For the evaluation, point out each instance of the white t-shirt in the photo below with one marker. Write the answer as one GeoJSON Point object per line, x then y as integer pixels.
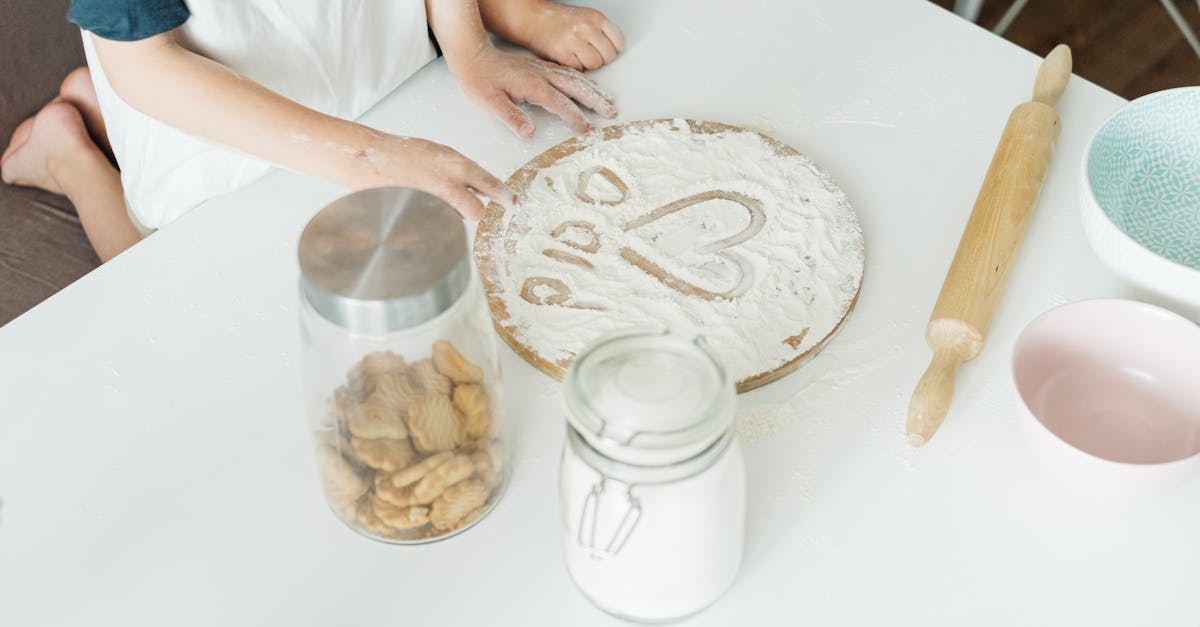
{"type": "Point", "coordinates": [338, 57]}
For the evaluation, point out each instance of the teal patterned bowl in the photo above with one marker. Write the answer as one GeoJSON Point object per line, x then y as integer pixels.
{"type": "Point", "coordinates": [1141, 195]}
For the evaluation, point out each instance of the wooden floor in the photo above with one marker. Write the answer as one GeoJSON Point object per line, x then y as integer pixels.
{"type": "Point", "coordinates": [1131, 47]}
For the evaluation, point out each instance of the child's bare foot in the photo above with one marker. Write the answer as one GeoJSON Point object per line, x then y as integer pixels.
{"type": "Point", "coordinates": [576, 37]}
{"type": "Point", "coordinates": [53, 151]}
{"type": "Point", "coordinates": [42, 143]}
{"type": "Point", "coordinates": [78, 90]}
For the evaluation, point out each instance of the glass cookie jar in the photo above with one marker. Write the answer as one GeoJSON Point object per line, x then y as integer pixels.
{"type": "Point", "coordinates": [652, 482]}
{"type": "Point", "coordinates": [401, 368]}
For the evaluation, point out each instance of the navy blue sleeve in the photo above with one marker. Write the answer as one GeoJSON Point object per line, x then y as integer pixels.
{"type": "Point", "coordinates": [127, 20]}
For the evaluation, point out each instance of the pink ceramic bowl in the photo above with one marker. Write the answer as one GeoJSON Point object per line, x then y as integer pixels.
{"type": "Point", "coordinates": [1110, 393]}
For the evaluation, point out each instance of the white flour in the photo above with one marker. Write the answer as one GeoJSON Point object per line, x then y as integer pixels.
{"type": "Point", "coordinates": [652, 481]}
{"type": "Point", "coordinates": [814, 392]}
{"type": "Point", "coordinates": [763, 285]}
{"type": "Point", "coordinates": [680, 555]}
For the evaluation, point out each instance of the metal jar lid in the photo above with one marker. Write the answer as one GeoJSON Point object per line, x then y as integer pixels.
{"type": "Point", "coordinates": [649, 398]}
{"type": "Point", "coordinates": [382, 260]}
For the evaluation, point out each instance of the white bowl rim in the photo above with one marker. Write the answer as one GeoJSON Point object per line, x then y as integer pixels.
{"type": "Point", "coordinates": [1091, 195]}
{"type": "Point", "coordinates": [1124, 302]}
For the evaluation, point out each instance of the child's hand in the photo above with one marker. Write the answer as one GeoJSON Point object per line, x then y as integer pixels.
{"type": "Point", "coordinates": [441, 171]}
{"type": "Point", "coordinates": [576, 37]}
{"type": "Point", "coordinates": [500, 81]}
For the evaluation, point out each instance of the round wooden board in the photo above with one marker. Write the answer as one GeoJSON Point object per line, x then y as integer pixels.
{"type": "Point", "coordinates": [489, 234]}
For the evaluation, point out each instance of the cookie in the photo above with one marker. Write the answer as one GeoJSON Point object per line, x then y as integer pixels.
{"type": "Point", "coordinates": [429, 380]}
{"type": "Point", "coordinates": [417, 471]}
{"type": "Point", "coordinates": [345, 403]}
{"type": "Point", "coordinates": [435, 483]}
{"type": "Point", "coordinates": [435, 424]}
{"type": "Point", "coordinates": [456, 502]}
{"type": "Point", "coordinates": [383, 453]}
{"type": "Point", "coordinates": [396, 390]}
{"type": "Point", "coordinates": [397, 496]}
{"type": "Point", "coordinates": [485, 470]}
{"type": "Point", "coordinates": [496, 452]}
{"type": "Point", "coordinates": [376, 419]}
{"type": "Point", "coordinates": [470, 446]}
{"type": "Point", "coordinates": [364, 517]}
{"type": "Point", "coordinates": [451, 363]}
{"type": "Point", "coordinates": [471, 517]}
{"type": "Point", "coordinates": [374, 364]}
{"type": "Point", "coordinates": [343, 482]}
{"type": "Point", "coordinates": [472, 401]}
{"type": "Point", "coordinates": [400, 518]}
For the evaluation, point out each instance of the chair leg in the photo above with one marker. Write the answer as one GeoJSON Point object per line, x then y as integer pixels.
{"type": "Point", "coordinates": [1184, 27]}
{"type": "Point", "coordinates": [1011, 14]}
{"type": "Point", "coordinates": [969, 9]}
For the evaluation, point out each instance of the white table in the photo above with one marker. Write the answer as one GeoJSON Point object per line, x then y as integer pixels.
{"type": "Point", "coordinates": [155, 467]}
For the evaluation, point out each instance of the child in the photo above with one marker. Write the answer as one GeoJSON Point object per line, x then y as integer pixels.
{"type": "Point", "coordinates": [195, 99]}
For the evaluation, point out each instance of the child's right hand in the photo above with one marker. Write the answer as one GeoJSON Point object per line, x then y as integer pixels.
{"type": "Point", "coordinates": [577, 37]}
{"type": "Point", "coordinates": [438, 170]}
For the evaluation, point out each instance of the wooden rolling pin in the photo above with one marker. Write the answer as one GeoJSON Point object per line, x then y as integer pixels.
{"type": "Point", "coordinates": [976, 279]}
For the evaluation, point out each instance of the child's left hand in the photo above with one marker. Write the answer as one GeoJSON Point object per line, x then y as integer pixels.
{"type": "Point", "coordinates": [500, 81]}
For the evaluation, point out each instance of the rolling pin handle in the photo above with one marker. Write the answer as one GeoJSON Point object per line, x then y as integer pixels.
{"type": "Point", "coordinates": [931, 400]}
{"type": "Point", "coordinates": [1052, 76]}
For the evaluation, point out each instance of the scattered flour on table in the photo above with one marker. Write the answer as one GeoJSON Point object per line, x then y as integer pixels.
{"type": "Point", "coordinates": [786, 280]}
{"type": "Point", "coordinates": [849, 365]}
{"type": "Point", "coordinates": [757, 422]}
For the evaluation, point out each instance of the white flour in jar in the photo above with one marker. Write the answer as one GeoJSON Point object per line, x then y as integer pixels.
{"type": "Point", "coordinates": [652, 483]}
{"type": "Point", "coordinates": [681, 555]}
{"type": "Point", "coordinates": [784, 278]}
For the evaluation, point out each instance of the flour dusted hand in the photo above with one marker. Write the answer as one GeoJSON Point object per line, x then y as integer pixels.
{"type": "Point", "coordinates": [439, 170]}
{"type": "Point", "coordinates": [500, 81]}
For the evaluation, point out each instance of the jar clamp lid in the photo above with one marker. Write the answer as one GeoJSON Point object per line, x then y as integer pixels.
{"type": "Point", "coordinates": [649, 398]}
{"type": "Point", "coordinates": [382, 260]}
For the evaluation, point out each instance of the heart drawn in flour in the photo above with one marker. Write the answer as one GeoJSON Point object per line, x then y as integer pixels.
{"type": "Point", "coordinates": [732, 271]}
{"type": "Point", "coordinates": [740, 269]}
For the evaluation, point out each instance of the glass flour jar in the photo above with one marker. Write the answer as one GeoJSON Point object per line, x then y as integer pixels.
{"type": "Point", "coordinates": [652, 483]}
{"type": "Point", "coordinates": [401, 368]}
